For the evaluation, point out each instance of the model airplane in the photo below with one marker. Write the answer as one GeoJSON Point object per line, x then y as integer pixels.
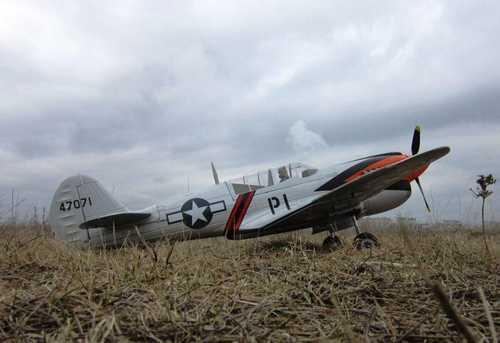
{"type": "Point", "coordinates": [289, 198]}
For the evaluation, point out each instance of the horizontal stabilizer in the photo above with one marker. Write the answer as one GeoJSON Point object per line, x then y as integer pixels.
{"type": "Point", "coordinates": [116, 220]}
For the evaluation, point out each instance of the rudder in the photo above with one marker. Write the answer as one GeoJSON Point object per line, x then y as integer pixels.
{"type": "Point", "coordinates": [80, 199]}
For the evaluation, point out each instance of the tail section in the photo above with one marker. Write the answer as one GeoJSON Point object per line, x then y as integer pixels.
{"type": "Point", "coordinates": [81, 203]}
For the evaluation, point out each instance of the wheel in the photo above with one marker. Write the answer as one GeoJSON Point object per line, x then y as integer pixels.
{"type": "Point", "coordinates": [332, 243]}
{"type": "Point", "coordinates": [365, 240]}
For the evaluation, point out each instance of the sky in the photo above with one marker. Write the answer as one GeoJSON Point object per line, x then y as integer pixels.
{"type": "Point", "coordinates": [143, 95]}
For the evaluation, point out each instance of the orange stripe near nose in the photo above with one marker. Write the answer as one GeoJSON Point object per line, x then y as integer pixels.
{"type": "Point", "coordinates": [377, 165]}
{"type": "Point", "coordinates": [384, 163]}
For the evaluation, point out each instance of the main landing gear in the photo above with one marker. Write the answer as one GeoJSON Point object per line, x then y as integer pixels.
{"type": "Point", "coordinates": [363, 240]}
{"type": "Point", "coordinates": [332, 242]}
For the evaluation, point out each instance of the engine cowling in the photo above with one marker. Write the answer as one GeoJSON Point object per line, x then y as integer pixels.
{"type": "Point", "coordinates": [388, 199]}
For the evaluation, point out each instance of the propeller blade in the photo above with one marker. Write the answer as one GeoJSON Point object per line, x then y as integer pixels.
{"type": "Point", "coordinates": [415, 144]}
{"type": "Point", "coordinates": [423, 195]}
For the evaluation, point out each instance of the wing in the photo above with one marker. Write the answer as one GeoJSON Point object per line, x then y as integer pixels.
{"type": "Point", "coordinates": [346, 196]}
{"type": "Point", "coordinates": [374, 182]}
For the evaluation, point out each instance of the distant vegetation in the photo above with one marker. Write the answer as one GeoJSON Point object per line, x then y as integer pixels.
{"type": "Point", "coordinates": [483, 192]}
{"type": "Point", "coordinates": [282, 288]}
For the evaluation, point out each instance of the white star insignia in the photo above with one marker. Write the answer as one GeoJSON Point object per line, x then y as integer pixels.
{"type": "Point", "coordinates": [196, 213]}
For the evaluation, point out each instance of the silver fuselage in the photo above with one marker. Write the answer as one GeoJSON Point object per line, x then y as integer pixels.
{"type": "Point", "coordinates": [171, 221]}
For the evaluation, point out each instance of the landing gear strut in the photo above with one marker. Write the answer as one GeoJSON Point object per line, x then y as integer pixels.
{"type": "Point", "coordinates": [332, 242]}
{"type": "Point", "coordinates": [363, 240]}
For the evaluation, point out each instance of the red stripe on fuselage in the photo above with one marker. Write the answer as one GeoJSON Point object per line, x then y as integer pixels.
{"type": "Point", "coordinates": [238, 212]}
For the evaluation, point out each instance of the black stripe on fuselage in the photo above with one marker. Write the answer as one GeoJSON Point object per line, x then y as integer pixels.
{"type": "Point", "coordinates": [341, 178]}
{"type": "Point", "coordinates": [379, 155]}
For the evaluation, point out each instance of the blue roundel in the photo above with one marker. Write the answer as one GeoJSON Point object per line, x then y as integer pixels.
{"type": "Point", "coordinates": [196, 213]}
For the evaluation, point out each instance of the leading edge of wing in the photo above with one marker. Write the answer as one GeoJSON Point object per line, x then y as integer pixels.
{"type": "Point", "coordinates": [376, 181]}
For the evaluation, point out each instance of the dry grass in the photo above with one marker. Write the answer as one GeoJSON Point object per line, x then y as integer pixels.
{"type": "Point", "coordinates": [283, 288]}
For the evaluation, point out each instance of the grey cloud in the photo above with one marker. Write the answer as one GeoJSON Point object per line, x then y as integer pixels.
{"type": "Point", "coordinates": [143, 94]}
{"type": "Point", "coordinates": [478, 106]}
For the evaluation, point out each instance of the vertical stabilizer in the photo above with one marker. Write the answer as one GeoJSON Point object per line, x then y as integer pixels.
{"type": "Point", "coordinates": [80, 199]}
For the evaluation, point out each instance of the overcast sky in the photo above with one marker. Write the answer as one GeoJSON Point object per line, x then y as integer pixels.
{"type": "Point", "coordinates": [142, 94]}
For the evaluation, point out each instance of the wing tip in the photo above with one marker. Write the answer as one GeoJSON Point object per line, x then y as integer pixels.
{"type": "Point", "coordinates": [439, 152]}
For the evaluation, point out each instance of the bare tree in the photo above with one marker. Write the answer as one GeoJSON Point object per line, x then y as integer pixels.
{"type": "Point", "coordinates": [10, 213]}
{"type": "Point", "coordinates": [483, 192]}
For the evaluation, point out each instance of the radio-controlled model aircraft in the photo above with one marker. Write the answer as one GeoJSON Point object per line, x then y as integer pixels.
{"type": "Point", "coordinates": [278, 200]}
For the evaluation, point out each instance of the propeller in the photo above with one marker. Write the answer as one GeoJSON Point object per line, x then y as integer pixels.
{"type": "Point", "coordinates": [423, 194]}
{"type": "Point", "coordinates": [415, 147]}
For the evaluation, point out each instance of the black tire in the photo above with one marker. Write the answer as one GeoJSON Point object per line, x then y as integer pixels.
{"type": "Point", "coordinates": [332, 243]}
{"type": "Point", "coordinates": [365, 240]}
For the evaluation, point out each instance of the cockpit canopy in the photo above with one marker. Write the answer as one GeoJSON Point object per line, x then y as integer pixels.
{"type": "Point", "coordinates": [271, 177]}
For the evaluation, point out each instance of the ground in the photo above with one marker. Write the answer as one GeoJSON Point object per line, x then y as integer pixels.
{"type": "Point", "coordinates": [281, 288]}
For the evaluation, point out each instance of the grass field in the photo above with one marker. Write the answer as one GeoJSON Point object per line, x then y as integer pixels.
{"type": "Point", "coordinates": [282, 288]}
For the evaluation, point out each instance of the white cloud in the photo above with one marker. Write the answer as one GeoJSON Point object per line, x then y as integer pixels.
{"type": "Point", "coordinates": [304, 140]}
